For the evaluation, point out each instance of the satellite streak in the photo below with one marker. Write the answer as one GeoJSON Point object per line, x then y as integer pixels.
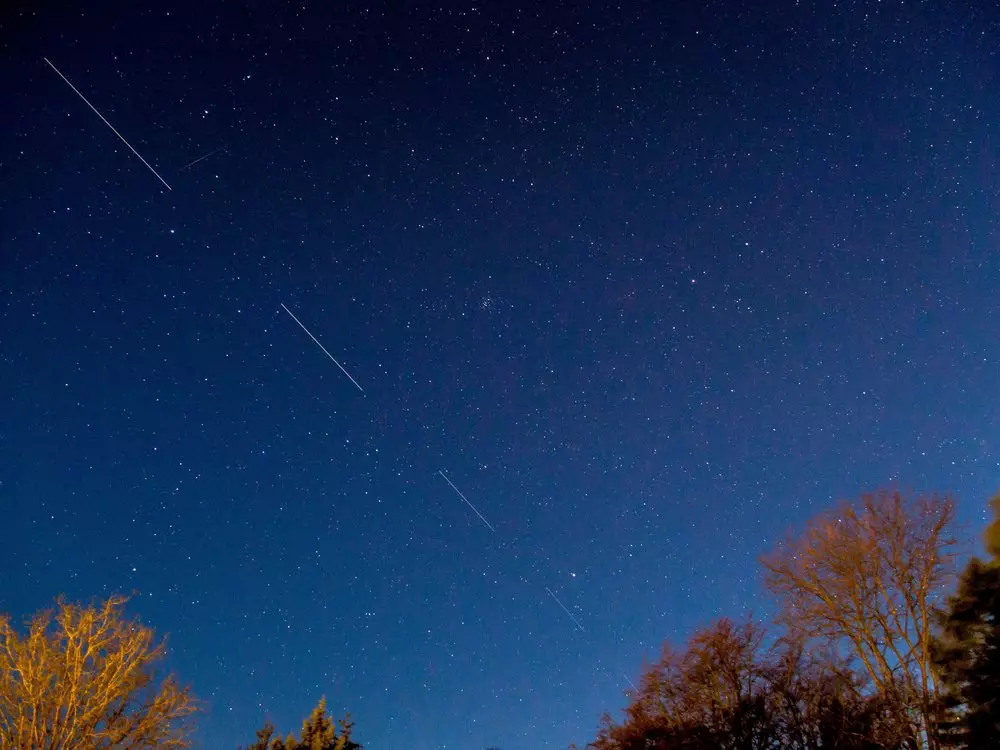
{"type": "Point", "coordinates": [107, 123]}
{"type": "Point", "coordinates": [200, 158]}
{"type": "Point", "coordinates": [468, 503]}
{"type": "Point", "coordinates": [322, 347]}
{"type": "Point", "coordinates": [575, 621]}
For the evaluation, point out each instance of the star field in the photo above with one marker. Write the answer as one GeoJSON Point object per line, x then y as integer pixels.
{"type": "Point", "coordinates": [647, 284]}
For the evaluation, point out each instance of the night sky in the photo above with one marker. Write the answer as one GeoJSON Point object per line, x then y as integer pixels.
{"type": "Point", "coordinates": [647, 284]}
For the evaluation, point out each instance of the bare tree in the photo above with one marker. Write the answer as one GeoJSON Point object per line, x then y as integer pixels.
{"type": "Point", "coordinates": [815, 701]}
{"type": "Point", "coordinates": [709, 695]}
{"type": "Point", "coordinates": [869, 577]}
{"type": "Point", "coordinates": [83, 679]}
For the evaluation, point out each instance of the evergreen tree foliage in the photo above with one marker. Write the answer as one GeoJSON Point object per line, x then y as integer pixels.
{"type": "Point", "coordinates": [967, 652]}
{"type": "Point", "coordinates": [317, 730]}
{"type": "Point", "coordinates": [264, 735]}
{"type": "Point", "coordinates": [318, 733]}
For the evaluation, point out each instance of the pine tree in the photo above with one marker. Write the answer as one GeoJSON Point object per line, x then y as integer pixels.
{"type": "Point", "coordinates": [344, 741]}
{"type": "Point", "coordinates": [264, 735]}
{"type": "Point", "coordinates": [967, 652]}
{"type": "Point", "coordinates": [317, 730]}
{"type": "Point", "coordinates": [318, 733]}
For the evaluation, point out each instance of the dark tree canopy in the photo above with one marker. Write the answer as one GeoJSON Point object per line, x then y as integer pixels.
{"type": "Point", "coordinates": [318, 733]}
{"type": "Point", "coordinates": [967, 652]}
{"type": "Point", "coordinates": [726, 691]}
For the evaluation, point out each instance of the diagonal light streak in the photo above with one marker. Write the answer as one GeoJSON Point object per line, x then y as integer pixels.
{"type": "Point", "coordinates": [481, 518]}
{"type": "Point", "coordinates": [575, 621]}
{"type": "Point", "coordinates": [107, 123]}
{"type": "Point", "coordinates": [308, 333]}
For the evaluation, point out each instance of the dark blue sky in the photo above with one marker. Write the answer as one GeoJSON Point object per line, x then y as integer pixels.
{"type": "Point", "coordinates": [648, 284]}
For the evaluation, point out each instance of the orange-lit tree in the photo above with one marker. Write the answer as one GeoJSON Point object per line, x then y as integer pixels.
{"type": "Point", "coordinates": [867, 578]}
{"type": "Point", "coordinates": [700, 697]}
{"type": "Point", "coordinates": [83, 678]}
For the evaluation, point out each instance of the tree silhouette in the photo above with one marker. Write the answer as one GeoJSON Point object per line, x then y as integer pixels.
{"type": "Point", "coordinates": [967, 652]}
{"type": "Point", "coordinates": [318, 733]}
{"type": "Point", "coordinates": [725, 691]}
